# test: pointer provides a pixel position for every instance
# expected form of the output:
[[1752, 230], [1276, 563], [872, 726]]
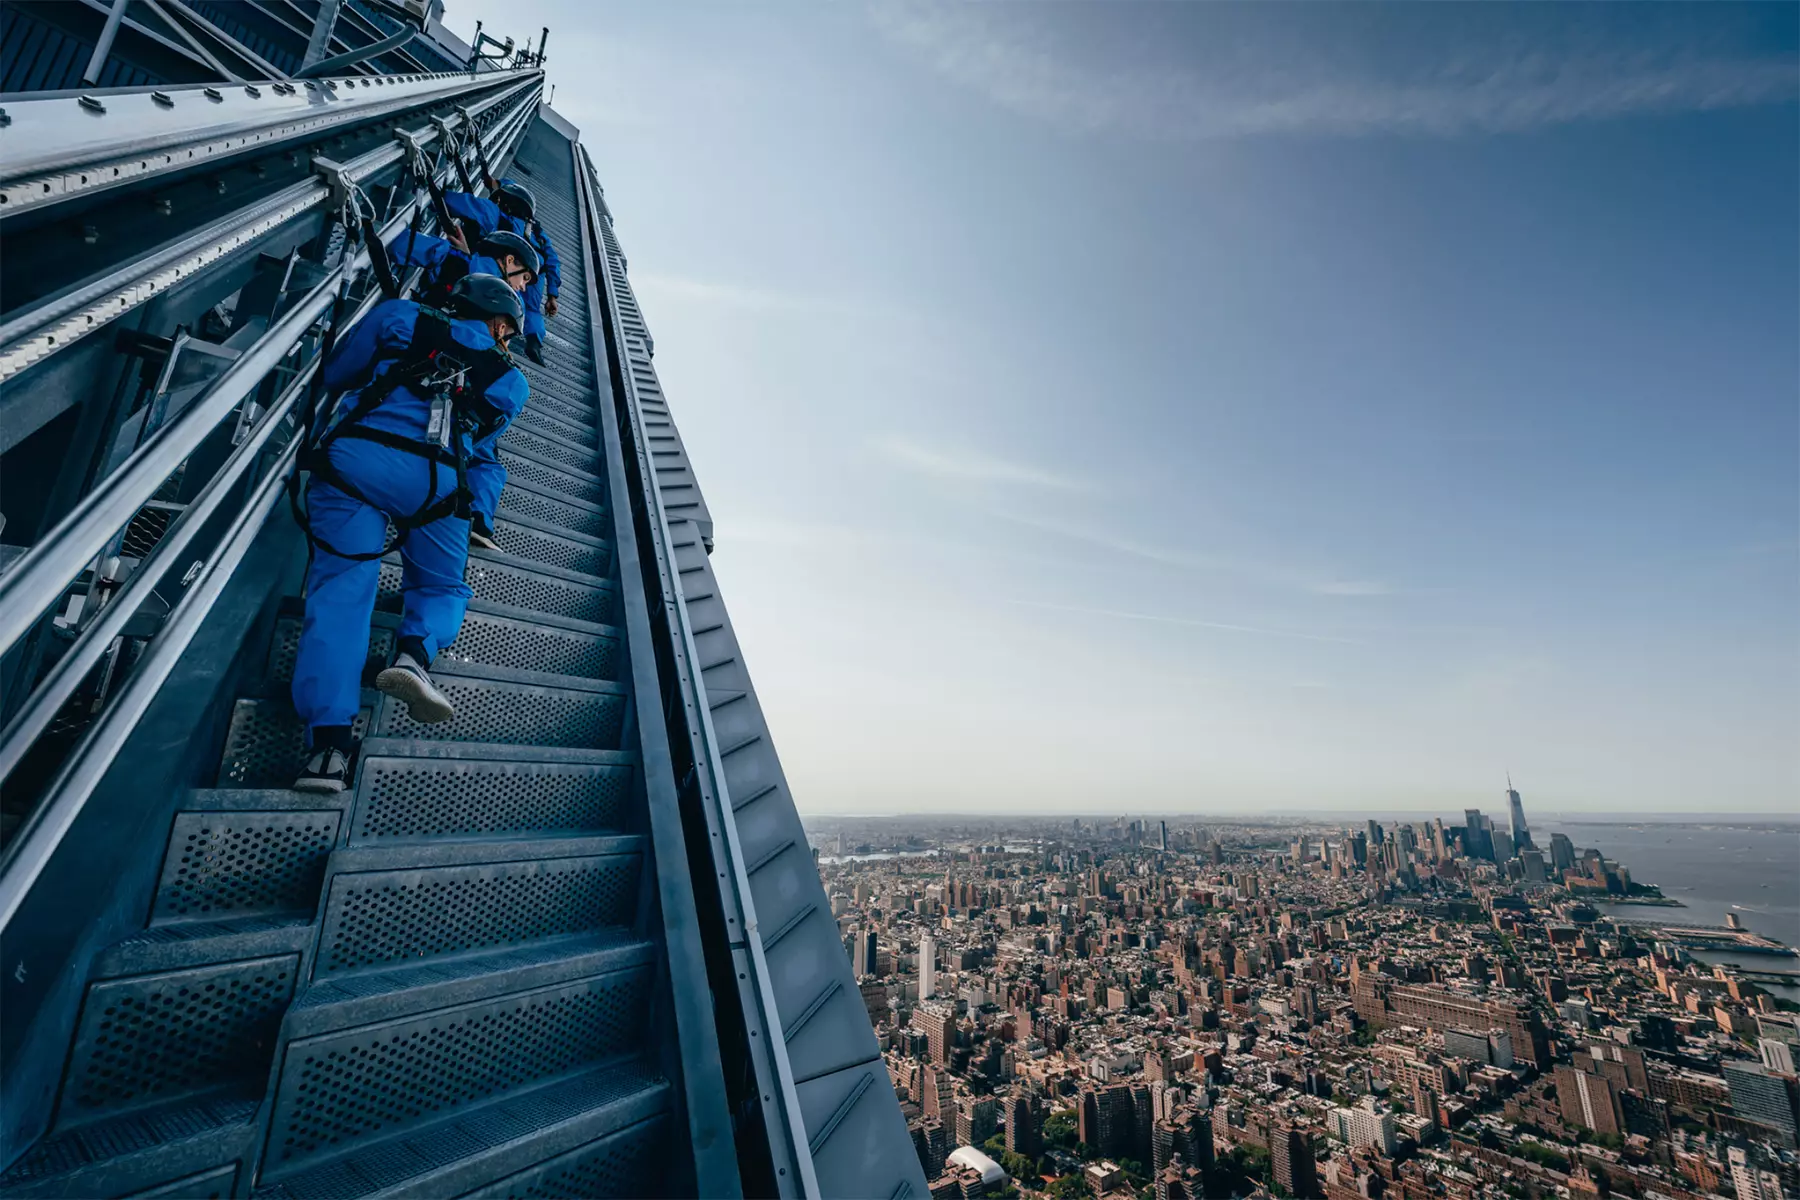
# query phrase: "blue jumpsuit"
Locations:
[[487, 477], [340, 592], [487, 217]]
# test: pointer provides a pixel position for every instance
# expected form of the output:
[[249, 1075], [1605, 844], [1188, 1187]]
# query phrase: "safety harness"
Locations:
[[453, 379]]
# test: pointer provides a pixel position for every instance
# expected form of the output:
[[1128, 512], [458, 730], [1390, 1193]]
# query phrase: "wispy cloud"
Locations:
[[1352, 587], [1022, 66], [973, 466], [1191, 622]]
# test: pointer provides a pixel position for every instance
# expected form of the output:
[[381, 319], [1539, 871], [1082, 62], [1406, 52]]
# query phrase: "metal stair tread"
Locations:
[[425, 853], [398, 747], [538, 489], [404, 990], [189, 1135], [502, 558], [474, 1142], [179, 945], [455, 668]]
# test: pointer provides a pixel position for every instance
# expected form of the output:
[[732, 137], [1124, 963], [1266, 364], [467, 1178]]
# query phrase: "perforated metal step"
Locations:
[[581, 714], [143, 1154], [412, 903], [266, 741], [557, 480], [528, 503], [353, 1085], [414, 790], [603, 1128], [568, 550], [550, 450], [518, 586], [244, 853], [150, 1039]]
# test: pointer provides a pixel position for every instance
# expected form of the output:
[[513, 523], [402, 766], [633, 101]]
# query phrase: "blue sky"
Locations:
[[1210, 408]]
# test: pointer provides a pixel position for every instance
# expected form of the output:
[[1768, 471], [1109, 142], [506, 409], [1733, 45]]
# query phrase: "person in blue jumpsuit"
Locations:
[[380, 463], [512, 207], [444, 261], [514, 259]]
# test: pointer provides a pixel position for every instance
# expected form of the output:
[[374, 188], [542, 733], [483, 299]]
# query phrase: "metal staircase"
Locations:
[[569, 943]]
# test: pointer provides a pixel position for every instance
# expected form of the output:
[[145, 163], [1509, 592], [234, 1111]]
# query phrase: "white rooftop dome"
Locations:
[[968, 1156]]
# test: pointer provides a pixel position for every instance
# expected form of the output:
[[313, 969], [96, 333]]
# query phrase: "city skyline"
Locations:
[[1132, 1008], [1424, 409]]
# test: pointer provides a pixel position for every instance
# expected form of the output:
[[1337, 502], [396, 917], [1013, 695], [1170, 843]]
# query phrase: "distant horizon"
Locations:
[[1346, 816]]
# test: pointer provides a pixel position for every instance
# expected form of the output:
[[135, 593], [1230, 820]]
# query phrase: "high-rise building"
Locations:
[[1562, 853], [977, 1117], [1590, 1101], [1106, 1120], [1515, 809], [927, 967], [1762, 1097], [1752, 1174], [1374, 832], [1370, 1123], [1291, 1160], [1777, 1055], [1185, 1133], [1024, 1123], [1478, 841], [938, 1021], [1162, 835], [867, 950]]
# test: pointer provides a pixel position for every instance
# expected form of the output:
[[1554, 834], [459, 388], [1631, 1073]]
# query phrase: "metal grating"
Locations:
[[266, 743], [524, 646], [550, 479], [62, 1153], [581, 434], [415, 797], [516, 714], [498, 583], [557, 452], [151, 1037], [554, 551], [346, 1085], [208, 1185], [621, 1164], [146, 530], [376, 918], [575, 410], [225, 863], [286, 645], [537, 507]]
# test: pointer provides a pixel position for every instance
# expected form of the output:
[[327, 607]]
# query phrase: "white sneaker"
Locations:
[[482, 541], [406, 680], [327, 770]]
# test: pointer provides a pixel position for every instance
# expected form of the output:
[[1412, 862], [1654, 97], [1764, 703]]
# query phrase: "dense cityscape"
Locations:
[[1146, 1008]]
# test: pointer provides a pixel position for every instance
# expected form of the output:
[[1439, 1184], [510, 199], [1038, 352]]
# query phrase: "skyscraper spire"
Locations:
[[1521, 835]]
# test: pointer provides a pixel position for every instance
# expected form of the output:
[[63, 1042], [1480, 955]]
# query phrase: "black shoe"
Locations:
[[330, 763], [406, 680], [481, 533], [534, 349]]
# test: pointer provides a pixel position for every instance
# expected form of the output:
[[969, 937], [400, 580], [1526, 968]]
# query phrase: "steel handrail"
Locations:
[[59, 148], [35, 844], [93, 756], [711, 762], [38, 578], [51, 327]]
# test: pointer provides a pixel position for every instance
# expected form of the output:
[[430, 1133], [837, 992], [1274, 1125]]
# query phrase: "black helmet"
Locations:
[[505, 241], [514, 200], [478, 297]]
